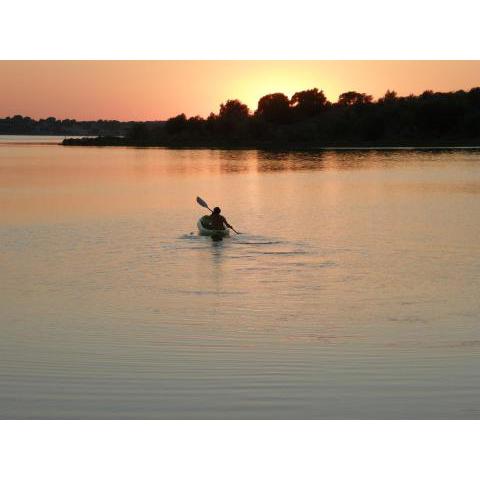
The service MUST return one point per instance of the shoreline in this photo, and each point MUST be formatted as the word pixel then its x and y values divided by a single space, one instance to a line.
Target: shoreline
pixel 384 146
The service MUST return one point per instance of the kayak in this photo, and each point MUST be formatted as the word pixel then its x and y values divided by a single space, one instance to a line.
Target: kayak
pixel 202 230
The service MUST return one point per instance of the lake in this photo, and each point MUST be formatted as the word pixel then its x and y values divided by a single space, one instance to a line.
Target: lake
pixel 352 292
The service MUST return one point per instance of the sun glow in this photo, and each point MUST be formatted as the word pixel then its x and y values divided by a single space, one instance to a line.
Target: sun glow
pixel 157 90
pixel 251 88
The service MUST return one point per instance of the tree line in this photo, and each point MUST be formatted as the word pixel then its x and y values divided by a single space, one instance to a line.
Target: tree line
pixel 309 119
pixel 305 119
pixel 20 125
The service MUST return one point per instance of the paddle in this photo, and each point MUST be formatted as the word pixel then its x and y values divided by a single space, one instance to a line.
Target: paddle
pixel 204 204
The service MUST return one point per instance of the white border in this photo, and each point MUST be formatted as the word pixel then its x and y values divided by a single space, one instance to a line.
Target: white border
pixel 246 450
pixel 250 29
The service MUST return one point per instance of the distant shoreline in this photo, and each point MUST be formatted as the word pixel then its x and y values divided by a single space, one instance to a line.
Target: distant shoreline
pixel 307 121
pixel 125 142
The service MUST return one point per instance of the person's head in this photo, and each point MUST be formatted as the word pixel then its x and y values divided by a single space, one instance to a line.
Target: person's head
pixel 216 210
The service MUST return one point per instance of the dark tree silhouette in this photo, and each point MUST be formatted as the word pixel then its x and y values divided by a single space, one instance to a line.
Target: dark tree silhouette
pixel 233 110
pixel 274 108
pixel 176 124
pixel 139 133
pixel 232 119
pixel 52 126
pixel 308 103
pixel 474 96
pixel 306 120
pixel 354 98
pixel 390 96
pixel 427 94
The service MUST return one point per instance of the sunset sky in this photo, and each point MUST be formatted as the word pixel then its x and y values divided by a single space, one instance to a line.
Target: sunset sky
pixel 157 90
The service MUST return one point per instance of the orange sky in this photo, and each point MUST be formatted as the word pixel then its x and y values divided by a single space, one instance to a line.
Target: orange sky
pixel 157 90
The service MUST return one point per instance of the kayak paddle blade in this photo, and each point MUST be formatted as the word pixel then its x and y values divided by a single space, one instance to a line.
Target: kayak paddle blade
pixel 202 202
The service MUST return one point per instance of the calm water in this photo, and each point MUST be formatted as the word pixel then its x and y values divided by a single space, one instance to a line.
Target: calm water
pixel 353 293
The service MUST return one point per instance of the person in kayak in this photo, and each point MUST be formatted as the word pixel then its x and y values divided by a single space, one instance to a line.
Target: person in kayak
pixel 217 221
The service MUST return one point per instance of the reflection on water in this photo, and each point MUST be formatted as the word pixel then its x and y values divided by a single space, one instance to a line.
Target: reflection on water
pixel 353 292
pixel 40 181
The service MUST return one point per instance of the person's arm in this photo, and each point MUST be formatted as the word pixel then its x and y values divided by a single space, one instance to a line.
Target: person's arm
pixel 228 225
